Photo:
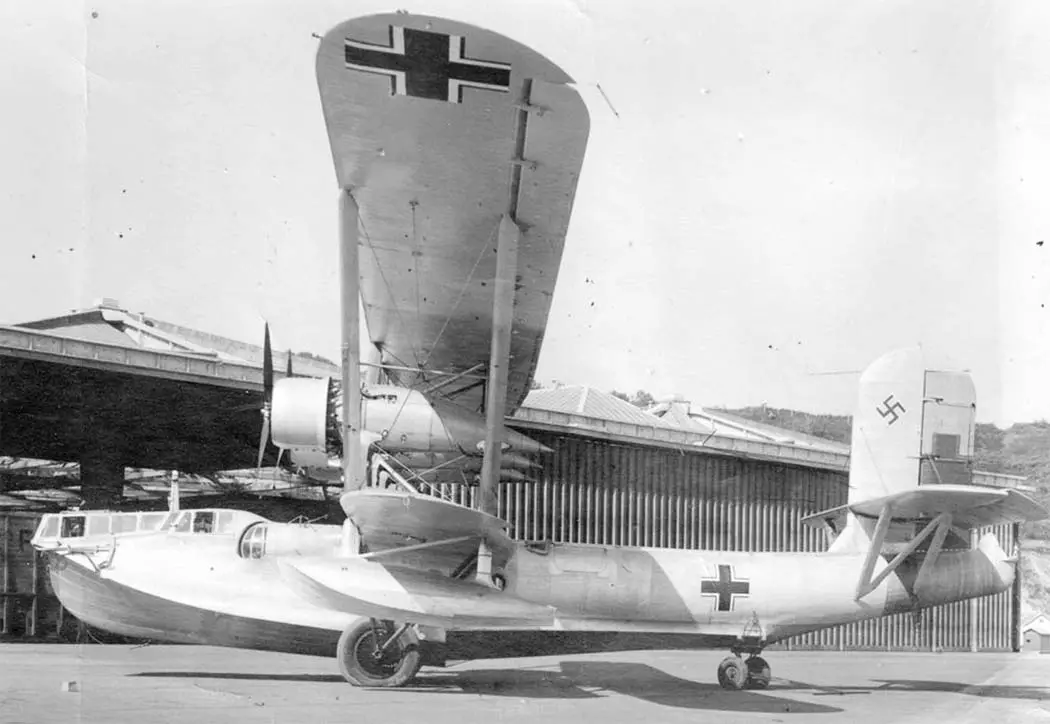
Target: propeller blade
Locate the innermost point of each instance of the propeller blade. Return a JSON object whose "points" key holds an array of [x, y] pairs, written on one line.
{"points": [[264, 437], [289, 371], [267, 364], [264, 434], [277, 467]]}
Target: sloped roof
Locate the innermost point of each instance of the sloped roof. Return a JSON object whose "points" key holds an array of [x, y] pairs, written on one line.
{"points": [[590, 402], [686, 416], [109, 323], [682, 415], [1040, 625], [778, 434], [677, 414]]}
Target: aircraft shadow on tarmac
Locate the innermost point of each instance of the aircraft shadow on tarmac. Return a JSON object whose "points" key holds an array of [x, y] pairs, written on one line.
{"points": [[572, 680], [305, 678], [995, 691]]}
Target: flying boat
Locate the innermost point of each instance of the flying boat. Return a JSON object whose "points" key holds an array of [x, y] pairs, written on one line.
{"points": [[457, 154]]}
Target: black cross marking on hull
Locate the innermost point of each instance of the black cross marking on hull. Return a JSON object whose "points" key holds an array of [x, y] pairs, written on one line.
{"points": [[891, 410], [430, 65], [725, 588]]}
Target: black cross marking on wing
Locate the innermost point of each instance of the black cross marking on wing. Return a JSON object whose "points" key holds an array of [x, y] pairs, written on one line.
{"points": [[430, 65]]}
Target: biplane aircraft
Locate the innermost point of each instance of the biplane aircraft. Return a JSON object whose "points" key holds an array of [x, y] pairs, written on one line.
{"points": [[457, 153]]}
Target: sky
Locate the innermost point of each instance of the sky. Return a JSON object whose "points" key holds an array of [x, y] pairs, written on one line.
{"points": [[772, 191]]}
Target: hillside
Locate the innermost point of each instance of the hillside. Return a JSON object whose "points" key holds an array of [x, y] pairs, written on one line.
{"points": [[1021, 449]]}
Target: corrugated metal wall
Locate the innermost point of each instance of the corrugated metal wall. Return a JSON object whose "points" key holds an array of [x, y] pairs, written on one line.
{"points": [[592, 491]]}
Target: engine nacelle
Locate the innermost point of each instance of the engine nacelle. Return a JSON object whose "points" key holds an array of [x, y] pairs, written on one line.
{"points": [[303, 420], [301, 414], [405, 419]]}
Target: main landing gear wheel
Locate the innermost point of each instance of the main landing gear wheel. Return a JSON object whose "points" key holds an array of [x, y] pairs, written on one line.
{"points": [[758, 673], [376, 653], [732, 673]]}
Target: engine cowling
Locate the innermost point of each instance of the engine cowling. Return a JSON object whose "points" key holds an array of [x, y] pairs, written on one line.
{"points": [[302, 416]]}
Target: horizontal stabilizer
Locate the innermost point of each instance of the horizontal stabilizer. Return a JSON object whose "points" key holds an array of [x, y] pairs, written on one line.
{"points": [[358, 586], [971, 506]]}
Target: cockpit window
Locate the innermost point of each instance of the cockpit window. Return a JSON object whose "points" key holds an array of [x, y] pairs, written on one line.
{"points": [[49, 527], [203, 522], [182, 525], [152, 521], [124, 523], [98, 525], [224, 521], [73, 526]]}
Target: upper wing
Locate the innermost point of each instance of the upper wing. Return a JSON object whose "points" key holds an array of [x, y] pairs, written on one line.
{"points": [[438, 129]]}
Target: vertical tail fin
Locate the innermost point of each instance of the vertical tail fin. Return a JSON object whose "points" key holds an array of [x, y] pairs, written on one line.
{"points": [[912, 427], [887, 426]]}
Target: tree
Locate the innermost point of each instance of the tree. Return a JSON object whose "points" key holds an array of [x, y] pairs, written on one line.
{"points": [[641, 398]]}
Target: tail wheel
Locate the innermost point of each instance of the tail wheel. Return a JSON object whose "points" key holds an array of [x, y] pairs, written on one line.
{"points": [[375, 653], [732, 673], [758, 673]]}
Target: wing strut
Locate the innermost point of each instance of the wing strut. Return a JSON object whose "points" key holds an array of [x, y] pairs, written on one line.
{"points": [[496, 390], [938, 528], [353, 467]]}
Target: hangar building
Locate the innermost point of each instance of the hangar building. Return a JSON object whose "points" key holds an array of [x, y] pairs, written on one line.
{"points": [[678, 477]]}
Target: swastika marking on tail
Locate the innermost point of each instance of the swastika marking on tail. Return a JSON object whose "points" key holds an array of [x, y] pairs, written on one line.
{"points": [[891, 410]]}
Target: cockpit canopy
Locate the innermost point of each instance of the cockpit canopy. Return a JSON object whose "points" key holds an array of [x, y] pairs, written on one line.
{"points": [[72, 525]]}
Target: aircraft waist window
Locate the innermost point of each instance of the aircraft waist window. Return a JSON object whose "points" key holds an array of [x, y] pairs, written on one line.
{"points": [[203, 522], [73, 526], [253, 541]]}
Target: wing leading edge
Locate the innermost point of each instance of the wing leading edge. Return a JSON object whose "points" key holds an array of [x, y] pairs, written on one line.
{"points": [[359, 586]]}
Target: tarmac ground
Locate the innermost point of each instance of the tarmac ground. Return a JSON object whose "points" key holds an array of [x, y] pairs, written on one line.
{"points": [[113, 684]]}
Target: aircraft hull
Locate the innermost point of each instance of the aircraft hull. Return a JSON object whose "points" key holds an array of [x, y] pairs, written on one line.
{"points": [[125, 610], [189, 588]]}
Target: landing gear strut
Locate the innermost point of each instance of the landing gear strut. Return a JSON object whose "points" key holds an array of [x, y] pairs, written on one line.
{"points": [[735, 673], [376, 653]]}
